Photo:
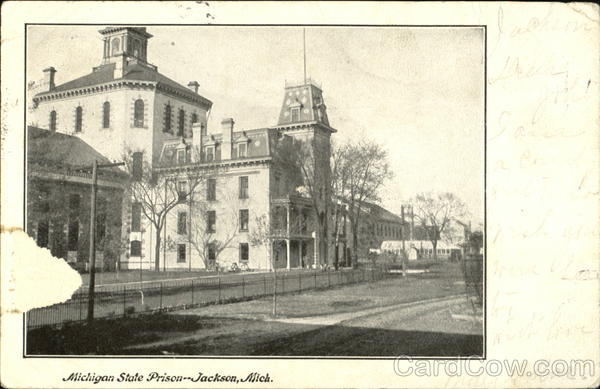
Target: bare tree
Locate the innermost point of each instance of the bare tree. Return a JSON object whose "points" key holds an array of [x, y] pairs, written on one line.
{"points": [[204, 239], [158, 193], [436, 212], [340, 171], [261, 235], [368, 170]]}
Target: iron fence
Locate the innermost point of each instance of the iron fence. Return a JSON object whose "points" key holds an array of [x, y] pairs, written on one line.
{"points": [[124, 300]]}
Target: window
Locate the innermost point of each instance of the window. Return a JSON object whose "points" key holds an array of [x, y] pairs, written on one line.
{"points": [[136, 217], [138, 113], [211, 221], [78, 119], [73, 235], [115, 46], [42, 233], [243, 187], [181, 157], [277, 185], [194, 118], [295, 114], [242, 150], [52, 125], [210, 154], [182, 223], [74, 204], [244, 252], [182, 190], [136, 248], [212, 252], [244, 220], [211, 189], [180, 122], [167, 122], [106, 115], [181, 253]]}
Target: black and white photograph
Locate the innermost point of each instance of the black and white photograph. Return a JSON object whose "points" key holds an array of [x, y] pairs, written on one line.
{"points": [[332, 194], [259, 190]]}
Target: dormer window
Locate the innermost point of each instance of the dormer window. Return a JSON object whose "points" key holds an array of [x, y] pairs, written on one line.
{"points": [[210, 153], [242, 150], [180, 157], [295, 114]]}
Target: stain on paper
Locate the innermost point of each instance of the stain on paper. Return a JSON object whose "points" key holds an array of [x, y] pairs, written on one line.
{"points": [[32, 277]]}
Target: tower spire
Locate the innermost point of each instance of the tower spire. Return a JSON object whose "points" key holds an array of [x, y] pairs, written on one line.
{"points": [[304, 47]]}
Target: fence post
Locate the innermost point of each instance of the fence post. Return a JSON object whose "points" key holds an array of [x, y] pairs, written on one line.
{"points": [[265, 283], [192, 292], [161, 297], [219, 290], [80, 307], [328, 278], [243, 287], [373, 274], [124, 296], [300, 281], [315, 278], [283, 283]]}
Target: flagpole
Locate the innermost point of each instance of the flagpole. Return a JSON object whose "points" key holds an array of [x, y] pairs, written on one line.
{"points": [[304, 47]]}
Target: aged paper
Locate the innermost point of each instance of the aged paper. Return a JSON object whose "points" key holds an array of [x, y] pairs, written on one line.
{"points": [[540, 211]]}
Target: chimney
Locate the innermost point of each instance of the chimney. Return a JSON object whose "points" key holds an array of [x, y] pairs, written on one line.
{"points": [[227, 131], [197, 132], [120, 65], [49, 79], [193, 85]]}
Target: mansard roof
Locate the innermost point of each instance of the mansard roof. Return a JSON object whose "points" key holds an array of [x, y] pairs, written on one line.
{"points": [[133, 72]]}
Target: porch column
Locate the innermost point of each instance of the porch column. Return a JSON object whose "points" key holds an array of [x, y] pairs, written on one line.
{"points": [[288, 233], [316, 245], [287, 248], [300, 246]]}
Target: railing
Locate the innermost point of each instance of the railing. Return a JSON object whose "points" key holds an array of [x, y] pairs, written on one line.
{"points": [[119, 300]]}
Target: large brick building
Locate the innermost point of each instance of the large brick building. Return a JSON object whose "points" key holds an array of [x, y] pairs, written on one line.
{"points": [[125, 105]]}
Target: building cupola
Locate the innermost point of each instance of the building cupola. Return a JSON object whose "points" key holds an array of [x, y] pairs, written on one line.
{"points": [[128, 42]]}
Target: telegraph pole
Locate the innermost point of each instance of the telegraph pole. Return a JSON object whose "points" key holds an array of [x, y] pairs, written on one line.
{"points": [[93, 242], [91, 293]]}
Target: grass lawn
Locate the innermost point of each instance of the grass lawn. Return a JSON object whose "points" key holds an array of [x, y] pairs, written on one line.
{"points": [[246, 328]]}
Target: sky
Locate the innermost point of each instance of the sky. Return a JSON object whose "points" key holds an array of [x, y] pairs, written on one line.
{"points": [[418, 91]]}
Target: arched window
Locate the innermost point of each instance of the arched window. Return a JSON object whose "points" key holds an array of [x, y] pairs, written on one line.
{"points": [[167, 126], [106, 115], [78, 119], [136, 48], [115, 46], [136, 248], [138, 113], [194, 118], [180, 122], [52, 121]]}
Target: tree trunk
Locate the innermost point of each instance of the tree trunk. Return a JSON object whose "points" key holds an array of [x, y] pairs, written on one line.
{"points": [[354, 258], [434, 244], [157, 251], [336, 263]]}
